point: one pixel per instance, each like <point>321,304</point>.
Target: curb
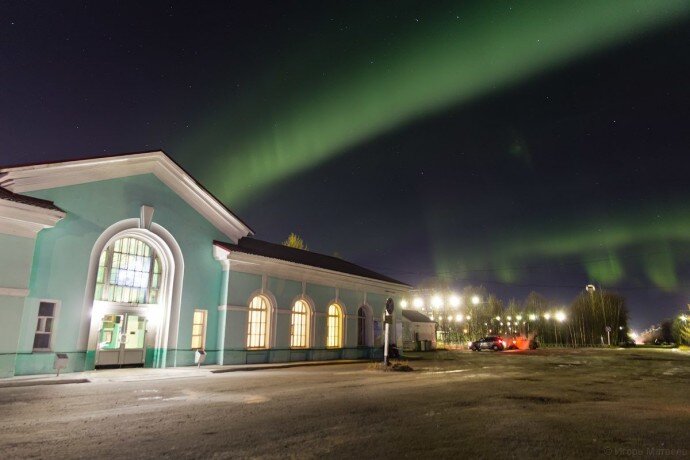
<point>259,367</point>
<point>31,383</point>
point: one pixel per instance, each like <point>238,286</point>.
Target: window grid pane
<point>257,323</point>
<point>333,338</point>
<point>199,329</point>
<point>44,325</point>
<point>298,331</point>
<point>128,271</point>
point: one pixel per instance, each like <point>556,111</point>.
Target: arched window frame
<point>258,323</point>
<point>362,326</point>
<point>334,326</point>
<point>300,324</point>
<point>122,293</point>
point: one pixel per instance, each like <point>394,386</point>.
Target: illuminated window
<point>334,334</point>
<point>129,271</point>
<point>199,329</point>
<point>44,326</point>
<point>257,324</point>
<point>299,324</point>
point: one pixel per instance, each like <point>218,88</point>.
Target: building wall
<point>16,254</point>
<point>413,332</point>
<point>61,263</point>
<point>282,293</point>
<point>55,267</point>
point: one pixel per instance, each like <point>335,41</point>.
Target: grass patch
<point>394,365</point>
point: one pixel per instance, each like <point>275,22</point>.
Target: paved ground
<point>555,403</point>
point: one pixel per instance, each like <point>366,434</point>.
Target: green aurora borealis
<point>520,145</point>
<point>313,108</point>
<point>313,104</point>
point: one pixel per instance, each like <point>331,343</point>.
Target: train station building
<point>127,260</point>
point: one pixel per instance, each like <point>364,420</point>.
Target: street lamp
<point>403,303</point>
<point>437,301</point>
<point>454,301</point>
<point>560,316</point>
<point>547,316</point>
<point>418,302</point>
<point>475,300</point>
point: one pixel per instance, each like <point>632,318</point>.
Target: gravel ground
<point>546,403</point>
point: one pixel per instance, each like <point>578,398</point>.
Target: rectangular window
<point>44,326</point>
<point>199,329</point>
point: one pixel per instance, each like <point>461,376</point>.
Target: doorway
<point>121,341</point>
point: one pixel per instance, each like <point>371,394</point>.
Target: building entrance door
<point>121,341</point>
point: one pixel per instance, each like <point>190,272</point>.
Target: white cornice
<point>251,263</point>
<point>46,176</point>
<point>21,219</point>
<point>14,292</point>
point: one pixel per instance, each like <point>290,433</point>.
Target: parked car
<point>494,343</point>
<point>626,343</point>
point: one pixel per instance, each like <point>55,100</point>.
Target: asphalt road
<point>554,403</point>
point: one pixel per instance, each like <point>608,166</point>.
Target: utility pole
<point>390,307</point>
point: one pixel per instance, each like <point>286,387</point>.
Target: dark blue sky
<point>572,173</point>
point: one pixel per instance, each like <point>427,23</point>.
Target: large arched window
<point>129,271</point>
<point>257,324</point>
<point>299,325</point>
<point>334,327</point>
<point>361,327</point>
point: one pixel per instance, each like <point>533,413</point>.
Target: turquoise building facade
<point>128,261</point>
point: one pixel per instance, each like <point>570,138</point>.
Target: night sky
<point>519,145</point>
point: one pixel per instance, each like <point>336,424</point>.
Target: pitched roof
<point>416,317</point>
<point>28,200</point>
<point>313,259</point>
<point>42,176</point>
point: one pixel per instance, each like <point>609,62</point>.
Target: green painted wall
<point>243,285</point>
<point>16,253</point>
<point>285,291</point>
<point>61,259</point>
<point>11,314</point>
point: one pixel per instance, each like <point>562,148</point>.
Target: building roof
<point>278,251</point>
<point>41,176</point>
<point>28,200</point>
<point>416,317</point>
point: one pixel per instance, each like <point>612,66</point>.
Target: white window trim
<point>307,324</point>
<point>341,326</point>
<point>267,332</point>
<point>56,313</point>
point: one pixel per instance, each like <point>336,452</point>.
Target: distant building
<point>419,332</point>
<point>128,261</point>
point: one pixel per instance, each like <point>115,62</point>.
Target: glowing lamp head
<point>547,316</point>
<point>436,301</point>
<point>560,316</point>
<point>498,318</point>
<point>475,300</point>
<point>403,303</point>
<point>532,317</point>
<point>418,302</point>
<point>518,317</point>
<point>454,301</point>
<point>468,317</point>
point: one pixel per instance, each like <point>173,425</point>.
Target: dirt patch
<point>539,399</point>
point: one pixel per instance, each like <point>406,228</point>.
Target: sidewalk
<point>146,374</point>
